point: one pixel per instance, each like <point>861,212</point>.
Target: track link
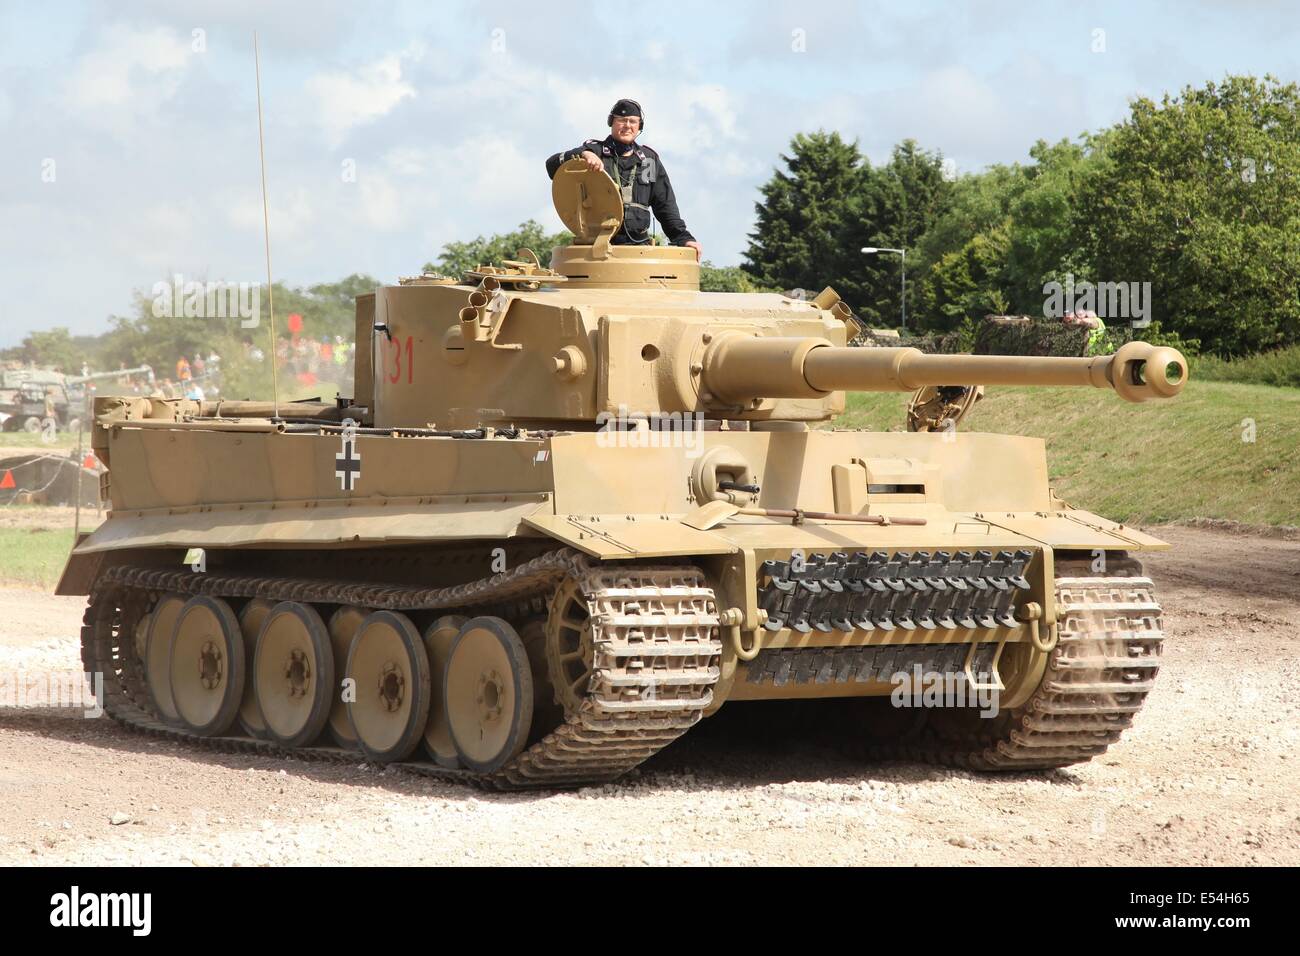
<point>654,634</point>
<point>1099,675</point>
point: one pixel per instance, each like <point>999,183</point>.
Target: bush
<point>1280,367</point>
<point>1154,335</point>
<point>1051,337</point>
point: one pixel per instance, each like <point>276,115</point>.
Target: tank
<point>570,512</point>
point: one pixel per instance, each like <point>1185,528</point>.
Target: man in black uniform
<point>640,175</point>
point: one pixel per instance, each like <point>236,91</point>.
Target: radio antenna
<point>266,229</point>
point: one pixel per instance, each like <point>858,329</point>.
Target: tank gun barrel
<point>740,368</point>
<point>113,373</point>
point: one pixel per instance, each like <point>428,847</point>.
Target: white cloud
<point>407,161</point>
<point>382,205</point>
<point>347,99</point>
<point>292,215</point>
<point>463,180</point>
<point>129,65</point>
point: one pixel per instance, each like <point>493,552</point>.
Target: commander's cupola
<point>589,205</point>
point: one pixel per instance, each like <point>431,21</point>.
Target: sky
<point>128,130</point>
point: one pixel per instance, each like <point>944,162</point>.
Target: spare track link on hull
<point>636,705</point>
<point>1099,675</point>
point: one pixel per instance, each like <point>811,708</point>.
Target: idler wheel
<point>157,655</point>
<point>488,693</point>
<point>438,638</point>
<point>293,674</point>
<point>251,619</point>
<point>343,627</point>
<point>207,666</point>
<point>389,704</point>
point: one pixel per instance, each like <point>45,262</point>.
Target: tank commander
<point>640,175</point>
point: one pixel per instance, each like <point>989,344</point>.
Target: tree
<point>1045,241</point>
<point>798,240</point>
<point>972,281</point>
<point>955,278</point>
<point>1005,232</point>
<point>457,258</point>
<point>345,291</point>
<point>897,205</point>
<point>56,348</point>
<point>726,279</point>
<point>828,203</point>
<point>1198,195</point>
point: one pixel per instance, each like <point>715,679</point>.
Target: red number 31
<point>395,372</point>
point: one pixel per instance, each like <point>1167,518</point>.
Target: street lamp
<point>872,250</point>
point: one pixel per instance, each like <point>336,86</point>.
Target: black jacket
<point>650,188</point>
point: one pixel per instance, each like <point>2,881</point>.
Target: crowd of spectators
<point>311,360</point>
<point>306,360</point>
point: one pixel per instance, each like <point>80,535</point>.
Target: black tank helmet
<point>626,107</point>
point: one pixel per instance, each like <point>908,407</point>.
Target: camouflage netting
<point>1004,335</point>
<point>1026,335</point>
<point>931,342</point>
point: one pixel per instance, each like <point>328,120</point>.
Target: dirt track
<point>1208,774</point>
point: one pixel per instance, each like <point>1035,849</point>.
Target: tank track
<point>1098,676</point>
<point>654,634</point>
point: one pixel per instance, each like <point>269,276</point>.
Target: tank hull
<point>780,608</point>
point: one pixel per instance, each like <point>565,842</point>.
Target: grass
<point>33,556</point>
<point>1280,367</point>
<point>1153,462</point>
<point>22,439</point>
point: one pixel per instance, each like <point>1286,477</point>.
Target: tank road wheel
<point>488,693</point>
<point>140,636</point>
<point>343,627</point>
<point>251,619</point>
<point>390,706</point>
<point>207,666</point>
<point>293,674</point>
<point>438,638</point>
<point>157,655</point>
<point>569,653</point>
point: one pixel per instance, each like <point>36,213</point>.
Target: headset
<point>609,120</point>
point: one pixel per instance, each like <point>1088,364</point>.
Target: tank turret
<point>617,328</point>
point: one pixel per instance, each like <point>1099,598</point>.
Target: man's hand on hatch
<point>592,160</point>
<point>699,249</point>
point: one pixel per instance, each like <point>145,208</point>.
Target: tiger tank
<point>571,511</point>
